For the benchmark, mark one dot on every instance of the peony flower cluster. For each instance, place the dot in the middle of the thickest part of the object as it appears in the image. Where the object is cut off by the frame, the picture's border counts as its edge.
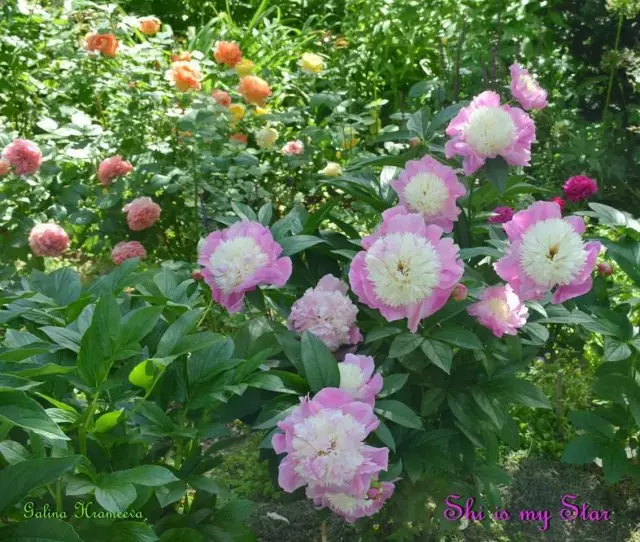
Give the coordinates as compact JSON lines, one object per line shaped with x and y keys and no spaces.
{"x":406,"y":270}
{"x":142,"y":213}
{"x":221,"y":97}
{"x":323,"y":440}
{"x":526,"y":90}
{"x":254,"y":90}
{"x":238,"y":259}
{"x":327,"y":312}
{"x":48,"y":240}
{"x":227,"y":52}
{"x":579,"y":188}
{"x":500,"y":310}
{"x":24,"y":156}
{"x":112,"y":168}
{"x":149,"y":26}
{"x":487,"y":129}
{"x":431,"y":189}
{"x":105,"y":44}
{"x":126,"y":250}
{"x":546,"y":253}
{"x":501,"y":215}
{"x":184,"y":75}
{"x":292,"y":148}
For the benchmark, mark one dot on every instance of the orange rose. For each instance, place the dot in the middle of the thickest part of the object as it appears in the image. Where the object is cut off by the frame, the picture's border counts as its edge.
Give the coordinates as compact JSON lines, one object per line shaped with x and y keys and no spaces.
{"x":184,"y":75}
{"x":149,"y":26}
{"x":254,"y":89}
{"x":107,"y":44}
{"x":227,"y":52}
{"x":242,"y":139}
{"x":184,"y":56}
{"x":221,"y":97}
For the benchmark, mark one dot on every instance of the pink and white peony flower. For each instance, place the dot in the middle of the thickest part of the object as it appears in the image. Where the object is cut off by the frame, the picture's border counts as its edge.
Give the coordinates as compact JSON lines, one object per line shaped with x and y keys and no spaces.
{"x":353,"y":508}
{"x":485,"y":129}
{"x":327,"y":312}
{"x":111,"y":168}
{"x":324,"y":442}
{"x":546,"y":252}
{"x":358,"y":380}
{"x":526,"y":89}
{"x":500,"y":310}
{"x":430,"y":188}
{"x":579,"y":188}
{"x":292,"y":148}
{"x":142,"y":213}
{"x":406,"y":269}
{"x":126,"y":250}
{"x":48,"y":240}
{"x":238,"y":259}
{"x":24,"y":156}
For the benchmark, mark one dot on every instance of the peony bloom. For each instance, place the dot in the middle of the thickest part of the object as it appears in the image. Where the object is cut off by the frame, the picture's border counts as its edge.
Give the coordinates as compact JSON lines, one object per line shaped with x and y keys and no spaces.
{"x":431,"y":189}
{"x":237,"y":111}
{"x":547,"y":252}
{"x":358,"y":380}
{"x":149,"y":26}
{"x":324,"y":442}
{"x":311,"y":63}
{"x":460,"y":292}
{"x":126,"y":250}
{"x":184,"y":75}
{"x":48,"y":240}
{"x":327,"y":312}
{"x":222,"y":98}
{"x":580,"y":187}
{"x":559,"y":201}
{"x":405,"y":270}
{"x":332,"y":169}
{"x":240,"y":139}
{"x":292,"y":148}
{"x":111,"y":168}
{"x":353,"y":508}
{"x":266,"y":137}
{"x":605,"y":269}
{"x":142,"y":213}
{"x":245,"y":67}
{"x":238,"y":259}
{"x":24,"y":156}
{"x":500,"y":310}
{"x":526,"y":90}
{"x":227,"y":52}
{"x":106,"y":44}
{"x":182,"y":56}
{"x":501,"y":215}
{"x":254,"y":89}
{"x":485,"y":129}
{"x":5,"y":167}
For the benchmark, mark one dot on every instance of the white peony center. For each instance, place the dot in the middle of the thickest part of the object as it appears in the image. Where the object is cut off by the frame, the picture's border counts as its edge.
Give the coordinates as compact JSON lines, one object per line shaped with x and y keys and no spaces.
{"x":404,"y":268}
{"x":499,"y":308}
{"x":328,"y":444}
{"x":426,"y":193}
{"x":345,"y":503}
{"x":529,"y":83}
{"x":351,"y":377}
{"x":490,"y":130}
{"x":236,"y":260}
{"x":552,"y":253}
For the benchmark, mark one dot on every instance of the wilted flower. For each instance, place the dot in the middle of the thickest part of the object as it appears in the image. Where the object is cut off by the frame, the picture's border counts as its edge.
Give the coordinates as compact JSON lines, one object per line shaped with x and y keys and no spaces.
{"x":142,"y":213}
{"x":500,"y":310}
{"x":48,"y":240}
{"x":126,"y":250}
{"x":24,"y":156}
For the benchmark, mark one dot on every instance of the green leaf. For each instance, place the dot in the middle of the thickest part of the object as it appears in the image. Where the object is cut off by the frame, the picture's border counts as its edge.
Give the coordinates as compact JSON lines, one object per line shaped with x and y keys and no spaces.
{"x":404,"y":344}
{"x":614,"y":463}
{"x":115,"y":498}
{"x":244,"y":211}
{"x":615,"y":349}
{"x":459,"y":337}
{"x":181,"y":327}
{"x":145,"y":373}
{"x":18,"y":480}
{"x":14,"y":452}
{"x":398,"y":413}
{"x":497,"y":171}
{"x":298,"y":243}
{"x":442,"y":117}
{"x":181,"y":534}
{"x":320,"y":367}
{"x":265,"y":214}
{"x":107,"y":421}
{"x":278,"y":381}
{"x":582,"y":449}
{"x":63,"y":285}
{"x":25,"y":352}
{"x":493,"y":474}
{"x":117,"y":531}
{"x":18,"y":409}
{"x":138,"y":323}
{"x":431,"y":400}
{"x":144,"y":475}
{"x":378,"y":334}
{"x":65,"y":337}
{"x":392,"y":383}
{"x":170,"y":493}
{"x":439,"y":354}
{"x":208,"y":485}
{"x":383,"y":433}
{"x":195,"y":342}
{"x":626,"y":253}
{"x":9,"y":382}
{"x":591,"y":423}
{"x":518,"y":391}
{"x":39,"y":530}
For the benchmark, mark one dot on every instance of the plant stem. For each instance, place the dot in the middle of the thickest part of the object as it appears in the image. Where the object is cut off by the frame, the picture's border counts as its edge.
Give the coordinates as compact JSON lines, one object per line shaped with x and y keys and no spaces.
{"x":82,"y":433}
{"x":195,"y":190}
{"x":58,"y":496}
{"x":323,"y":531}
{"x":613,"y":68}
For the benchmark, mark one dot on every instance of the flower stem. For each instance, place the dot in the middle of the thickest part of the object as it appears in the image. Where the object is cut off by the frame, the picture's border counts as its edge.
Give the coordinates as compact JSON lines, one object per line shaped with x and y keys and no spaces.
{"x":323,"y":531}
{"x":613,"y":68}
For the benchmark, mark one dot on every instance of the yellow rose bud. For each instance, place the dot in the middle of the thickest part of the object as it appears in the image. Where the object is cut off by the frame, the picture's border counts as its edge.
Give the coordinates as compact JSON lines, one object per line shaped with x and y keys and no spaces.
{"x":311,"y":63}
{"x":332,"y":169}
{"x":237,"y":111}
{"x":245,"y":67}
{"x":266,"y":137}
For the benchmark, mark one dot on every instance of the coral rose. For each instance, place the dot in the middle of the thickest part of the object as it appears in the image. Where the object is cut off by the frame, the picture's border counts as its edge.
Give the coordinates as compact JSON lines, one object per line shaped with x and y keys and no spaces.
{"x":149,"y":26}
{"x":240,"y":139}
{"x":184,"y":56}
{"x":221,"y":97}
{"x":48,"y":240}
{"x":5,"y":167}
{"x":111,"y":168}
{"x":227,"y":52}
{"x":24,"y":156}
{"x":142,"y":213}
{"x":126,"y":250}
{"x":254,"y":89}
{"x":184,"y":75}
{"x":106,"y":44}
{"x":292,"y":148}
